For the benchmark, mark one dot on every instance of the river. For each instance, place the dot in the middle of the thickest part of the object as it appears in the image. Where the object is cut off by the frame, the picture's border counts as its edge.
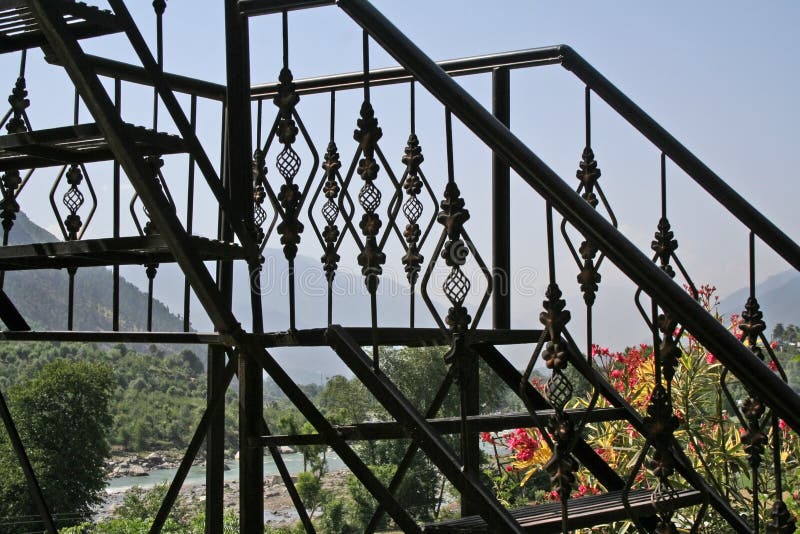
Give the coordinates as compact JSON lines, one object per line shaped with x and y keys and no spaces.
{"x":197,"y":474}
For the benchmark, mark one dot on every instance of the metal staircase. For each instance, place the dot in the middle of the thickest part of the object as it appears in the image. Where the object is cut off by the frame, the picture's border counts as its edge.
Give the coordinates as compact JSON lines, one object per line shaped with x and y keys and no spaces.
{"x":360,"y":202}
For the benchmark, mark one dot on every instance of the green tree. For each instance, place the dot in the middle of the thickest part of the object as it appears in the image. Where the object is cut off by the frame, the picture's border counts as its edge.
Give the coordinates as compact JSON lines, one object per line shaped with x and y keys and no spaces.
{"x":417,"y":372}
{"x":63,"y":417}
{"x":143,"y":504}
{"x":309,"y":487}
{"x":345,"y":401}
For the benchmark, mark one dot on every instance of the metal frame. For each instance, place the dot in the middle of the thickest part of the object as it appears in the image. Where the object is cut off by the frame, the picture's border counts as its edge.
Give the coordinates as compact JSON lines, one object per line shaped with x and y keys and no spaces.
{"x":246,"y":353}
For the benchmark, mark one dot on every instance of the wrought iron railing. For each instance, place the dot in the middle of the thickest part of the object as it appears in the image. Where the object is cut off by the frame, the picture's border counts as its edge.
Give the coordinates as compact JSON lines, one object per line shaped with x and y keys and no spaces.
{"x":363,"y":212}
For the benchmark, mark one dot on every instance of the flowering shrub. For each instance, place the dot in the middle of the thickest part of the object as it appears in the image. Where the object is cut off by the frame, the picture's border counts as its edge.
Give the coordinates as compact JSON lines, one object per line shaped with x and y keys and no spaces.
{"x":709,"y":430}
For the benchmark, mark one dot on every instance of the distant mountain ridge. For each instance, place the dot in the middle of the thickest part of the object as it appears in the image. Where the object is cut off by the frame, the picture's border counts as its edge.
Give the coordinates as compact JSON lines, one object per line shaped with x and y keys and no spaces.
{"x":778,"y":296}
{"x":41,"y":295}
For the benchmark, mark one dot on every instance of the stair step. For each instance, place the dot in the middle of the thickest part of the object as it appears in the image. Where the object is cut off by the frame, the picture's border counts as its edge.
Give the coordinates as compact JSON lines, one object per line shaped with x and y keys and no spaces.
{"x":110,"y":251}
{"x":19,"y":29}
{"x":83,"y":143}
{"x":445,"y":425}
{"x":584,"y":512}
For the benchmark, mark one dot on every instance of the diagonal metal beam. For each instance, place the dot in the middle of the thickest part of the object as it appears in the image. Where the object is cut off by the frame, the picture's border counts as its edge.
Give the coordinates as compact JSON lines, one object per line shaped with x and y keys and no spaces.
{"x":683,"y":464}
{"x":430,"y":440}
{"x":183,"y":124}
{"x":639,"y":268}
{"x":411,"y":452}
{"x":10,"y":315}
{"x":194,"y":446}
{"x":27,"y":468}
{"x":336,"y":442}
{"x":102,"y":109}
{"x":513,"y":379}
{"x":290,"y":487}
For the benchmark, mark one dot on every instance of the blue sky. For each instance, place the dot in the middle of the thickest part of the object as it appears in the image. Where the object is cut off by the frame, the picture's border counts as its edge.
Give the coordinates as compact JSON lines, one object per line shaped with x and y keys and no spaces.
{"x":721,"y":76}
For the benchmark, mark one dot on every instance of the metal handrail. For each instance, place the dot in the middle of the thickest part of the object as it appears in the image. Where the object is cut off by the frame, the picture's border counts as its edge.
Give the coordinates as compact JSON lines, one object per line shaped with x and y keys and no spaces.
{"x":754,"y":373}
{"x":568,"y":58}
{"x":683,"y":158}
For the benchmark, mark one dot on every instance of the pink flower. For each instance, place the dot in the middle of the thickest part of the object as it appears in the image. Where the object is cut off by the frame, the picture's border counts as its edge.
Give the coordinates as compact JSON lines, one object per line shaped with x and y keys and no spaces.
{"x":524,"y":455}
{"x":782,"y":424}
{"x":773,"y":365}
{"x":486,"y":437}
{"x":710,"y":359}
{"x":774,"y":345}
{"x":616,"y":373}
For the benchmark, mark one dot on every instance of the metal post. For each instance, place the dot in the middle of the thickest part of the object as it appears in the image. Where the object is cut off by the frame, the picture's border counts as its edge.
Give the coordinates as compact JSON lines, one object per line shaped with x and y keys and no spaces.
{"x":215,"y":441}
{"x":470,"y":442}
{"x":501,"y":207}
{"x":239,"y":150}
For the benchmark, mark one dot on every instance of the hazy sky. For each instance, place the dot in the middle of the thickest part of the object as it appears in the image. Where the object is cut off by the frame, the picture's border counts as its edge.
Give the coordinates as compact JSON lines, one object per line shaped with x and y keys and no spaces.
{"x":721,"y":76}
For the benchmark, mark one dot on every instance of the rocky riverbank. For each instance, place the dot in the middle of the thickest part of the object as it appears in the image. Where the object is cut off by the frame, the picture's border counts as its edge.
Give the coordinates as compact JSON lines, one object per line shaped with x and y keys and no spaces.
{"x":139,"y":465}
{"x":278,"y":507}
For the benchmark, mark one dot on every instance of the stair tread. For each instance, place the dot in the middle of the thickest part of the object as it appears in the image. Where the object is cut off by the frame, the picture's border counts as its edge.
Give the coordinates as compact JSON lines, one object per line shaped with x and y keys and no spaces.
{"x":584,"y":512}
{"x":133,"y":250}
{"x":82,"y":143}
{"x":19,"y":29}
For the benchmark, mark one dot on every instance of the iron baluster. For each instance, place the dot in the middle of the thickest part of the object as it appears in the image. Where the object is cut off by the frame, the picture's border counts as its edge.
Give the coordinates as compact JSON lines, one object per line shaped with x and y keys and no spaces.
{"x":155,"y":163}
{"x":371,"y":258}
{"x":330,"y":210}
{"x":413,"y":182}
{"x":290,"y":198}
{"x":561,"y":467}
{"x":261,"y":189}
{"x":330,"y":186}
{"x":753,"y":413}
{"x":72,"y":226}
{"x":16,"y":121}
{"x":288,"y":163}
{"x":588,"y":256}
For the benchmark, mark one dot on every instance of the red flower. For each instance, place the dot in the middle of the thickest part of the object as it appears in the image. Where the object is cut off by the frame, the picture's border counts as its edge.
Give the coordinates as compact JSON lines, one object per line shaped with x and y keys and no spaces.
{"x":486,"y":437}
{"x":710,"y":359}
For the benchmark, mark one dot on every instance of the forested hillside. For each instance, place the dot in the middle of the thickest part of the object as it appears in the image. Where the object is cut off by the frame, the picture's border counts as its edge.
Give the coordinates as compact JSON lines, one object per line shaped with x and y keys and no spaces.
{"x":159,"y":396}
{"x":41,"y":296}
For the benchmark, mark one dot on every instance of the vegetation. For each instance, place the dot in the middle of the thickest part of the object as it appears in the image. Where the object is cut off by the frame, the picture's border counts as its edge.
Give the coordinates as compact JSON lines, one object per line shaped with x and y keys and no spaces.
{"x":157,"y":399}
{"x":152,"y":399}
{"x":417,"y":373}
{"x":708,"y":429}
{"x":63,"y":416}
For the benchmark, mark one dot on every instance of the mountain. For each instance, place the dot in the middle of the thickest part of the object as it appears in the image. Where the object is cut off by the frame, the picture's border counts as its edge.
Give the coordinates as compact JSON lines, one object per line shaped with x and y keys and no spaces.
{"x":778,"y":296}
{"x":41,"y":295}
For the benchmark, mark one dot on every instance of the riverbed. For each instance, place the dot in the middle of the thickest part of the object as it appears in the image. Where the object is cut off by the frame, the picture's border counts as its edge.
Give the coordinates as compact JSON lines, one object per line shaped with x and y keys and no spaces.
{"x":197,"y":474}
